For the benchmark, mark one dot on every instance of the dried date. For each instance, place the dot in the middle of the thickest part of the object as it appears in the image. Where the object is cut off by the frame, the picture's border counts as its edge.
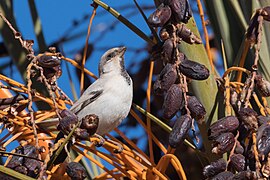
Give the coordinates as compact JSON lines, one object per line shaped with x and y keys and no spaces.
{"x":194,"y":70}
{"x":249,"y":117}
{"x":266,"y":13}
{"x":172,"y":101}
{"x":48,"y":61}
{"x":196,"y":109}
{"x":181,"y":10}
{"x":214,"y":168}
{"x":168,"y":51}
{"x":81,"y":134}
{"x":238,"y":162}
{"x":67,"y":122}
{"x":180,"y":130}
{"x":223,"y":143}
{"x":161,"y":15}
{"x":263,"y":139}
{"x":28,"y":166}
{"x":166,"y":79}
{"x":15,"y":160}
{"x":90,"y":123}
{"x":12,"y":104}
{"x":263,"y":86}
{"x":187,"y":35}
{"x":21,"y":169}
{"x":223,"y":176}
{"x":245,"y":175}
{"x":33,"y":167}
{"x":49,"y":73}
{"x":225,"y":124}
{"x":30,"y":151}
{"x":76,"y":171}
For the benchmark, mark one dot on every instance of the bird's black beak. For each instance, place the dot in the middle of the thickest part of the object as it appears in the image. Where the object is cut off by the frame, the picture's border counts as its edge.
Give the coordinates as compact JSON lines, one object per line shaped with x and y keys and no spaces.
{"x":122,"y":51}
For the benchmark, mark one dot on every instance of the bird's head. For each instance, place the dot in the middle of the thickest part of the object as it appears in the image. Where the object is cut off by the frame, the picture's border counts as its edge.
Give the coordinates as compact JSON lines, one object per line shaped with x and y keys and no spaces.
{"x":112,"y":61}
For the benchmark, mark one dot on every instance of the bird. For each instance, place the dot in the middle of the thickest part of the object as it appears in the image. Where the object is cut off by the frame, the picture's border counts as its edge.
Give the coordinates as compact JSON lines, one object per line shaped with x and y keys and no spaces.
{"x":110,"y":96}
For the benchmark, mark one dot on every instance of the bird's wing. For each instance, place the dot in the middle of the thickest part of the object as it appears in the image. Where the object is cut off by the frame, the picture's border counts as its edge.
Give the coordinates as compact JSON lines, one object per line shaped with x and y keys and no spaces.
{"x":90,"y":95}
{"x":76,"y":108}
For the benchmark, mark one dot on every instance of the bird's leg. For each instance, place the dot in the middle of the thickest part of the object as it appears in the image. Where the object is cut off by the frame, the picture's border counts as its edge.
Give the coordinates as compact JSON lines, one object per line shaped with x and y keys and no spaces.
{"x":101,"y":140}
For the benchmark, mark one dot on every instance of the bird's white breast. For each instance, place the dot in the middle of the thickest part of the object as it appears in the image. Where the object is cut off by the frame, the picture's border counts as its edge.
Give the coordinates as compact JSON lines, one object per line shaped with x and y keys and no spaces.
{"x":113,"y":105}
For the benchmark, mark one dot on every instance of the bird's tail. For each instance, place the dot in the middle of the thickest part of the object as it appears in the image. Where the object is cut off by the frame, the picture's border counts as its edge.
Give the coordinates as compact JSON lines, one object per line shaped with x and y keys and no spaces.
{"x":48,"y":123}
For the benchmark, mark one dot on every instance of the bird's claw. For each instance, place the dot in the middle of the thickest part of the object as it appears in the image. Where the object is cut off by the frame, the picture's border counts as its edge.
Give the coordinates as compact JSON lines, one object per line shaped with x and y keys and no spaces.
{"x":100,"y":142}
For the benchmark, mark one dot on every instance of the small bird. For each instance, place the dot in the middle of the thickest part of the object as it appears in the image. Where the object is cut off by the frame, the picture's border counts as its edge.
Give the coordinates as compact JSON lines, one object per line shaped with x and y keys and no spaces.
{"x":110,"y":96}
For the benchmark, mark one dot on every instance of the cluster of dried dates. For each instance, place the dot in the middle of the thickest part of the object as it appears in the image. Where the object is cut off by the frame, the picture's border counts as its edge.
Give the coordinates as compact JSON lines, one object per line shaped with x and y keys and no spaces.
{"x":228,"y":134}
{"x":45,"y":68}
{"x":245,"y":136}
{"x":27,"y":164}
{"x":13,"y":107}
{"x":50,"y":67}
{"x":242,"y":159}
{"x":171,"y":16}
{"x":217,"y":170}
{"x":86,"y":129}
{"x":30,"y":165}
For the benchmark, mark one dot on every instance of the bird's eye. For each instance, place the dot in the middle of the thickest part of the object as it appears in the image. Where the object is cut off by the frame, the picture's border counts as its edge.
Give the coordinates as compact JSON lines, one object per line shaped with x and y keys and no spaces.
{"x":110,"y":56}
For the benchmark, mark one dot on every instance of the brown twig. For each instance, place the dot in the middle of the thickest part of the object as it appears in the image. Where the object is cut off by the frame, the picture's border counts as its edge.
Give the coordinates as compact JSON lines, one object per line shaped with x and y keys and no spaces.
{"x":131,"y":143}
{"x":256,"y":154}
{"x":235,"y":69}
{"x":155,"y":139}
{"x":48,"y":86}
{"x":265,"y":104}
{"x":255,"y":64}
{"x":64,"y":95}
{"x":27,"y":44}
{"x":262,"y":109}
{"x":73,"y":62}
{"x":234,"y":146}
{"x":30,"y":98}
{"x":182,"y":77}
{"x":227,"y":96}
{"x":148,"y":121}
{"x":86,"y":46}
{"x":110,"y":159}
{"x":176,"y":164}
{"x":242,"y":60}
{"x":208,"y":49}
